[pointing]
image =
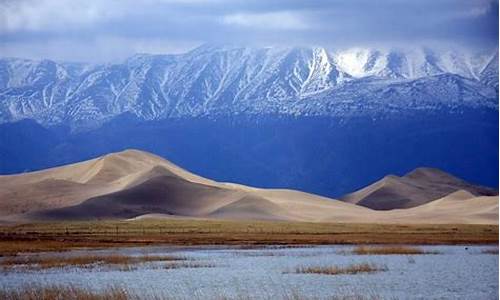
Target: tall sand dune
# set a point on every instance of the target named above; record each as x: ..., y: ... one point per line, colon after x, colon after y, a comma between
x: 135, y: 184
x: 418, y: 187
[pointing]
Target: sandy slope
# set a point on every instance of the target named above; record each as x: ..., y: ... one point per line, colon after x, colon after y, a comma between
x: 132, y: 183
x: 75, y: 183
x: 418, y: 187
x: 459, y: 207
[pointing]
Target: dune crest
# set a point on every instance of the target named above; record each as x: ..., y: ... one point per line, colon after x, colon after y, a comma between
x: 418, y: 187
x: 133, y: 184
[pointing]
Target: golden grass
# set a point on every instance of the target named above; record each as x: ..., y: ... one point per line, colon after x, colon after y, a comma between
x: 65, y: 292
x: 59, y: 292
x: 102, y: 234
x: 340, y: 270
x: 122, y: 262
x: 390, y: 250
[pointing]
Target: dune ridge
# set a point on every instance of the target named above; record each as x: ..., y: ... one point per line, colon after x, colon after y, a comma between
x: 421, y: 186
x: 133, y: 184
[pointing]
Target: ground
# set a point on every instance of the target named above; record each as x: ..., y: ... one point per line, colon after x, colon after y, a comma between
x: 102, y: 234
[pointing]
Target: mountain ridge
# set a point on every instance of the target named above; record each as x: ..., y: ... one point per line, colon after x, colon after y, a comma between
x: 220, y: 81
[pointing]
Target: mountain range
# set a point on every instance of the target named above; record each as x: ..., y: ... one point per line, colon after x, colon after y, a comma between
x: 320, y: 120
x: 136, y: 184
x: 217, y: 81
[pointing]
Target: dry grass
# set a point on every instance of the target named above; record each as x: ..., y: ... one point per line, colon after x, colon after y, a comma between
x: 155, y: 258
x: 277, y: 254
x: 121, y: 262
x: 263, y: 254
x: 340, y: 270
x: 65, y: 292
x: 390, y: 250
x: 101, y: 234
x: 188, y: 265
x: 58, y: 292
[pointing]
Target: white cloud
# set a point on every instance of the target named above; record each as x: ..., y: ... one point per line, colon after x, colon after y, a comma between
x: 54, y: 14
x: 474, y: 12
x: 73, y: 29
x: 99, y: 49
x: 273, y: 20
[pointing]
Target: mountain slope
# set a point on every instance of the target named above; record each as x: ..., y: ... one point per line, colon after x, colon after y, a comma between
x: 220, y: 81
x: 418, y: 187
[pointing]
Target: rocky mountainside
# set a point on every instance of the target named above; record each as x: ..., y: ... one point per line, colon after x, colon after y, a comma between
x: 215, y: 81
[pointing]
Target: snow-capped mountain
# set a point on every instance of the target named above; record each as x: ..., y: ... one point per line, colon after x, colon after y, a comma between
x: 216, y: 81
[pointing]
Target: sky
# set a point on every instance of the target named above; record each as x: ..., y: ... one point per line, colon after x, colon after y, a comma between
x: 109, y: 30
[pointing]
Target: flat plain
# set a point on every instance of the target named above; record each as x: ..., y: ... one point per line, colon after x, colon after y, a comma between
x: 34, y: 237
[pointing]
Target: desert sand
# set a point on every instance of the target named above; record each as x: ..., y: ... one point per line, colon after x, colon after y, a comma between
x: 134, y: 184
x: 418, y: 187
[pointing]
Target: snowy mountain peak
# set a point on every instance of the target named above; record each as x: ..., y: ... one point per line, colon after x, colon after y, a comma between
x: 410, y: 64
x: 488, y: 74
x: 214, y: 80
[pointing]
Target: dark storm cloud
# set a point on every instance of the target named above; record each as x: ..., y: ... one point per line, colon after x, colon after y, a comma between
x: 114, y: 29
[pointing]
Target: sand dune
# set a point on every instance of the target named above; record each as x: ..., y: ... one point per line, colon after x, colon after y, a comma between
x: 134, y: 184
x: 161, y: 194
x: 28, y: 192
x: 252, y: 207
x: 459, y: 207
x: 416, y: 188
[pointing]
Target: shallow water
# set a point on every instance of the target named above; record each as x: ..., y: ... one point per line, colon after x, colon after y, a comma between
x: 458, y: 272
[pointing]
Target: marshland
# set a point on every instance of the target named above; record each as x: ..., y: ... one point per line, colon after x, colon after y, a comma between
x: 256, y: 272
x: 209, y: 259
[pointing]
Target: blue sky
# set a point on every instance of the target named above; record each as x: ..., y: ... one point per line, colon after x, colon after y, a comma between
x: 100, y: 30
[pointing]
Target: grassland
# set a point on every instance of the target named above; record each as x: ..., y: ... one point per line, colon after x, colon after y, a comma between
x: 103, y: 234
